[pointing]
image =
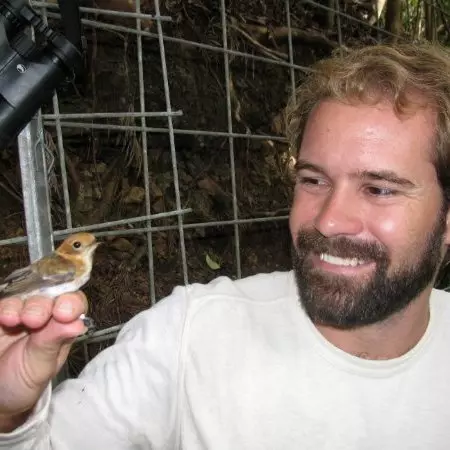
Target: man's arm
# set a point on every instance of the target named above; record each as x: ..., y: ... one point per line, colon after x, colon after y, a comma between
x: 125, y: 397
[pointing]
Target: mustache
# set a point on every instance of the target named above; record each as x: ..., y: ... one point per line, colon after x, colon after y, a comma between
x: 341, y: 246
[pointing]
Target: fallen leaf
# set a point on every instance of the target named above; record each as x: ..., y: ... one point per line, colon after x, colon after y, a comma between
x: 213, y: 265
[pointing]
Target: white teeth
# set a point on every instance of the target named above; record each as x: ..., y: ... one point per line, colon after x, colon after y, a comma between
x: 340, y: 261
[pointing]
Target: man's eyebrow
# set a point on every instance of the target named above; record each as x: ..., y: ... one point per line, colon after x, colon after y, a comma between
x: 375, y: 175
x: 386, y: 175
x: 301, y: 164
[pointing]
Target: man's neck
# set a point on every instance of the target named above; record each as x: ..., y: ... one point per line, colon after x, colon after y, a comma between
x: 386, y: 340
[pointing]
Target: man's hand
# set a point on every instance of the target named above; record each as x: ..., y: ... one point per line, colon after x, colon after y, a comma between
x: 35, y: 339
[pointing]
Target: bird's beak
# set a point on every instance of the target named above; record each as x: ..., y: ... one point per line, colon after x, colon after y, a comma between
x: 93, y: 246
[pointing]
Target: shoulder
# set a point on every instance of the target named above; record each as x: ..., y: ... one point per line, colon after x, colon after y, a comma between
x: 440, y: 298
x: 222, y: 295
x: 259, y: 288
x: 440, y: 304
x: 440, y: 315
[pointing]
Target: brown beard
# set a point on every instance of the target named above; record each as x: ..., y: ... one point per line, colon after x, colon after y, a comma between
x: 346, y: 302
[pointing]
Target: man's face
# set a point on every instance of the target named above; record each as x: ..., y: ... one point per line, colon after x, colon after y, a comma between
x: 367, y: 222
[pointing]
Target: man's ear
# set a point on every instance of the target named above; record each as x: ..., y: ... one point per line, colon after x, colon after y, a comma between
x: 447, y: 228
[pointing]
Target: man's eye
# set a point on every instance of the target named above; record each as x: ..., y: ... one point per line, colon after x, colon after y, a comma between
x: 310, y: 181
x: 380, y: 191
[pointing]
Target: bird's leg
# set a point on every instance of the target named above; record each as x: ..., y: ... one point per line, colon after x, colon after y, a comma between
x: 88, y: 322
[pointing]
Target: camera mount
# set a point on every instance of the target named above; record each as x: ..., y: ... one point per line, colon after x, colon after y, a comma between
x: 31, y: 70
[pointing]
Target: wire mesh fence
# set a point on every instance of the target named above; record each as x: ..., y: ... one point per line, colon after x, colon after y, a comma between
x: 171, y: 149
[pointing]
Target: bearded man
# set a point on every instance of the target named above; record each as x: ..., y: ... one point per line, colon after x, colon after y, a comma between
x: 350, y: 350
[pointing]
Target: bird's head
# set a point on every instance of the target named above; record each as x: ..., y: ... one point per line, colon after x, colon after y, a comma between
x: 79, y: 244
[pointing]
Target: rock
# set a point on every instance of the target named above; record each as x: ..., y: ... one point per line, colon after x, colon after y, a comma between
x: 122, y: 245
x: 135, y: 195
x: 158, y: 206
x: 155, y: 190
x: 210, y: 186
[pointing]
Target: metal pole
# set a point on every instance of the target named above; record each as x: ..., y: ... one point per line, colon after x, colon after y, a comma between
x: 36, y: 198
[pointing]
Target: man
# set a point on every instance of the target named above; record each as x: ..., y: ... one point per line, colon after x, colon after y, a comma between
x: 349, y: 351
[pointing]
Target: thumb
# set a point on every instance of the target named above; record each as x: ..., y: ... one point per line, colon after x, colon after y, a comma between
x: 47, y: 349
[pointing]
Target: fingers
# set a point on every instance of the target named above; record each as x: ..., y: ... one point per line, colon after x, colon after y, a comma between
x: 36, y: 311
x: 69, y: 307
x: 10, y: 309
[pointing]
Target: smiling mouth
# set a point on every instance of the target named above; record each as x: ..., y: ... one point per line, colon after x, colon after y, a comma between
x: 335, y: 260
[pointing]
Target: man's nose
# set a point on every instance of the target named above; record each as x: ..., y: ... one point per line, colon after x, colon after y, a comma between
x: 340, y: 214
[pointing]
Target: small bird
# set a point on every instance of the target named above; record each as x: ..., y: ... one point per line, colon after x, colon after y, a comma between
x: 66, y: 269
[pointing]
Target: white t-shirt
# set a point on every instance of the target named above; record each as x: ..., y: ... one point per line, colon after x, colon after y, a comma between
x: 237, y: 365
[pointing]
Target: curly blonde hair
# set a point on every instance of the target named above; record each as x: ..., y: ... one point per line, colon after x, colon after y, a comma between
x: 397, y: 72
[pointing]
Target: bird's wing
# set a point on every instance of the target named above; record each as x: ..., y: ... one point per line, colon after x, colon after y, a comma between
x: 48, y: 271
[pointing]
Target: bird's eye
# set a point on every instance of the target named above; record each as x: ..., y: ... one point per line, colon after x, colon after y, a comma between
x: 76, y: 244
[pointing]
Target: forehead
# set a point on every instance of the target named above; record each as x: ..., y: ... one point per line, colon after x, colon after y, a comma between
x: 339, y: 136
x: 80, y: 237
